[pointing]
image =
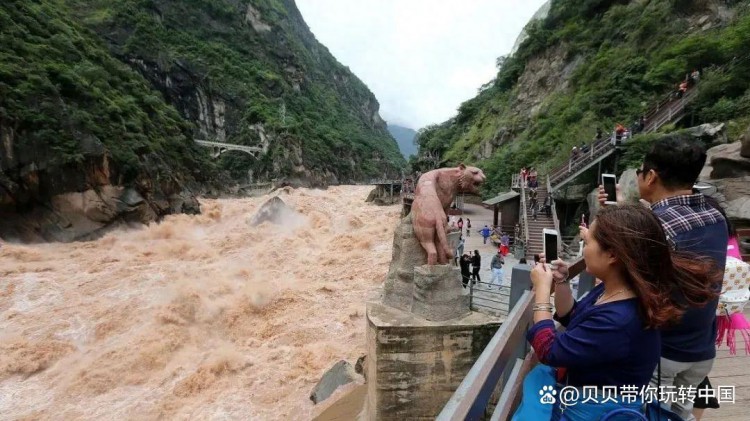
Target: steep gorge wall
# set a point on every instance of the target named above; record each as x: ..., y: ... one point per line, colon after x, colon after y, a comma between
x: 589, y: 64
x: 100, y: 102
x: 252, y: 73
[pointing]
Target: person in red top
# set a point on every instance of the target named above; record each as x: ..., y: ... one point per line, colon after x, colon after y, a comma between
x: 619, y: 130
x: 683, y: 89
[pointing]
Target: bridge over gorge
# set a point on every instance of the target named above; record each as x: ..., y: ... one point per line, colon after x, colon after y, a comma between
x: 219, y: 148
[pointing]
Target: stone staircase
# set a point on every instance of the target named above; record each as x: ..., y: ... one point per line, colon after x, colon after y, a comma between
x: 536, y: 239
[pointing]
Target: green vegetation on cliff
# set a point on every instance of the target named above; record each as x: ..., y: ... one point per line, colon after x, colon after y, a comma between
x: 140, y: 79
x: 261, y: 61
x: 61, y: 93
x: 594, y: 63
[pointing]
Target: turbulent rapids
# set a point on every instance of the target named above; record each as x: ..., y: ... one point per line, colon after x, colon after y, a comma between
x: 204, y: 317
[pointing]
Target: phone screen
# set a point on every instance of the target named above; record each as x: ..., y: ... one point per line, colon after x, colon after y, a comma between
x: 610, y: 188
x: 550, y: 247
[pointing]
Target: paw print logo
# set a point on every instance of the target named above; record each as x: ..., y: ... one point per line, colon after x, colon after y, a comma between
x: 547, y: 395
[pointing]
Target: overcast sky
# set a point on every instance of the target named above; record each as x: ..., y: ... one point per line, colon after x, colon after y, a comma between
x: 421, y: 58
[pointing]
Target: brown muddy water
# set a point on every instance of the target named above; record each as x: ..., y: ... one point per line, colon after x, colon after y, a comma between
x: 198, y: 317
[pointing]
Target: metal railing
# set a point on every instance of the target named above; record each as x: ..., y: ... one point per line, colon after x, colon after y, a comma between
x: 524, y: 220
x: 505, y: 360
x: 555, y: 219
x: 471, y: 399
x: 675, y: 109
x: 515, y: 181
x: 598, y: 149
x: 483, y: 298
x: 667, y: 110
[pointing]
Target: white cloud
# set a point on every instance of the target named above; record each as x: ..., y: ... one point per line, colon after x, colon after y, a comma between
x: 421, y: 58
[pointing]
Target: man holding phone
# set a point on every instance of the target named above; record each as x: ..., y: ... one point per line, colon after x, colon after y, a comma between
x: 665, y: 180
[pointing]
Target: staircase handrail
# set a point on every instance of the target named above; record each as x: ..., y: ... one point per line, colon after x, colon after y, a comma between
x: 655, y: 117
x: 524, y: 217
x: 515, y: 181
x: 597, y: 149
x: 555, y: 220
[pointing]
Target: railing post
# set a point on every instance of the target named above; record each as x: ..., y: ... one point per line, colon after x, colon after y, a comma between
x: 520, y: 282
x: 471, y: 295
x: 585, y: 283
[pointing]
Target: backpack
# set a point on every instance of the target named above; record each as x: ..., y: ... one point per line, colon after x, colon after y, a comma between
x: 734, y: 291
x: 734, y: 296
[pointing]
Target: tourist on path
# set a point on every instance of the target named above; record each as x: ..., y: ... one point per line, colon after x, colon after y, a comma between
x: 497, y: 269
x: 612, y: 336
x: 468, y: 227
x: 485, y: 233
x: 465, y: 263
x: 460, y: 248
x: 476, y: 264
x: 460, y: 224
x: 505, y: 244
x: 691, y: 224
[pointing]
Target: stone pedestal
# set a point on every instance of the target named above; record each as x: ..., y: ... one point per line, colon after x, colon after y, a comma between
x: 414, y: 365
x: 398, y: 289
x: 438, y: 293
x: 441, y: 284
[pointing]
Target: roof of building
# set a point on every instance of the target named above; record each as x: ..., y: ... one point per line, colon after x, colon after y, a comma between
x: 502, y: 197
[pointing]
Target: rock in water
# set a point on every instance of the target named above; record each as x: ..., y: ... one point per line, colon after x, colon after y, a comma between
x: 340, y: 374
x: 360, y: 367
x: 274, y: 211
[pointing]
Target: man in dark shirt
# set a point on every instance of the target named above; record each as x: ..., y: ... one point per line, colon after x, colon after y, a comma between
x: 665, y: 180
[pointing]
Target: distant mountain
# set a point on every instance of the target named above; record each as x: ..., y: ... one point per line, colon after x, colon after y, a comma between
x: 405, y: 138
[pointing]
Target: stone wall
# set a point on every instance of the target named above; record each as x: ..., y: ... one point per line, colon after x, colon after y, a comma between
x: 414, y: 366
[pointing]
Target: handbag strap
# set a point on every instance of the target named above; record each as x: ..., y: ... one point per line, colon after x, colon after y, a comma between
x: 658, y: 386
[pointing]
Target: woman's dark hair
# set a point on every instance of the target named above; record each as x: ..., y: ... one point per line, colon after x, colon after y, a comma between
x: 522, y: 260
x: 476, y: 252
x: 665, y: 281
x: 715, y: 204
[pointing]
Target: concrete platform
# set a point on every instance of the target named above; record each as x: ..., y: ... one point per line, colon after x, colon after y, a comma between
x: 414, y: 365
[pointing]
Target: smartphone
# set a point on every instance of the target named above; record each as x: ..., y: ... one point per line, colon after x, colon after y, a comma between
x: 550, y: 244
x: 583, y: 220
x: 609, y: 181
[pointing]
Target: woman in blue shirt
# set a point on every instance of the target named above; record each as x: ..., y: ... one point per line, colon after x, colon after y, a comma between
x: 611, y: 337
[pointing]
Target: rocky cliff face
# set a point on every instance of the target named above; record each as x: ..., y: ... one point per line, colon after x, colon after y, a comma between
x: 580, y: 65
x: 252, y: 73
x: 84, y: 145
x: 100, y: 103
